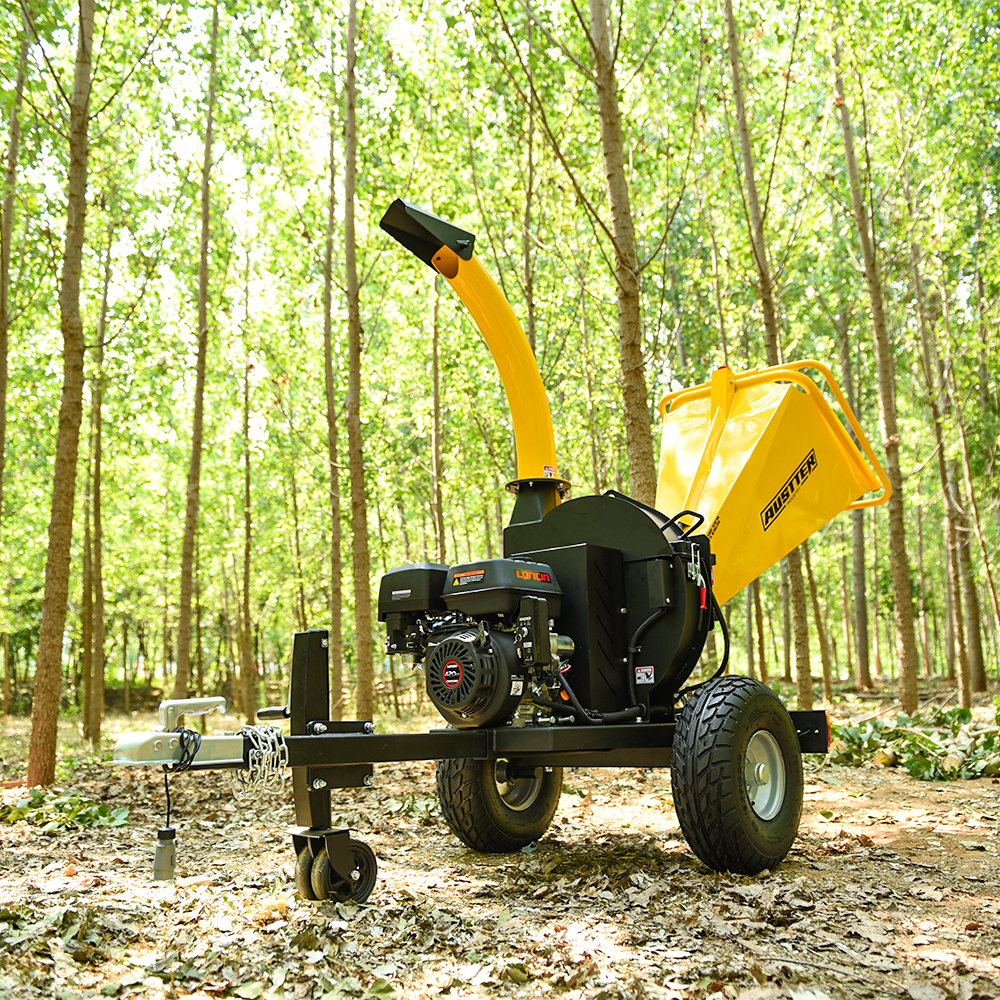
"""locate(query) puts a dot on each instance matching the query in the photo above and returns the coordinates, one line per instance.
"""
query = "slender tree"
(6, 234)
(364, 651)
(48, 670)
(333, 456)
(248, 668)
(95, 706)
(906, 644)
(772, 341)
(437, 463)
(191, 510)
(858, 576)
(638, 435)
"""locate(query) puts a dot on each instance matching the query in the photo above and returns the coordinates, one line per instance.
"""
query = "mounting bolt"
(355, 875)
(369, 780)
(158, 745)
(325, 643)
(318, 784)
(317, 727)
(624, 611)
(369, 727)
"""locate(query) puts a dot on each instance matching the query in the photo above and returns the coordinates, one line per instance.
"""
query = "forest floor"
(892, 889)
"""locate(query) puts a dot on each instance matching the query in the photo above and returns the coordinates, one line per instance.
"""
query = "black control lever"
(275, 712)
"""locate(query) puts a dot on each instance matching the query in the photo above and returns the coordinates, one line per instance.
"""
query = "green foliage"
(936, 745)
(56, 812)
(485, 115)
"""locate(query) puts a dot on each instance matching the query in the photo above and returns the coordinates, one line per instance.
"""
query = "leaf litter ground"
(892, 889)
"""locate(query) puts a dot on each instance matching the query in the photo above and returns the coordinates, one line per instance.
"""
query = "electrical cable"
(190, 741)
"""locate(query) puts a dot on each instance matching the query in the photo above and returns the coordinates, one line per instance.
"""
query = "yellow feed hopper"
(762, 456)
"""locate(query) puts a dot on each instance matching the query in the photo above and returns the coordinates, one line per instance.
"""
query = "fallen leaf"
(924, 991)
(249, 991)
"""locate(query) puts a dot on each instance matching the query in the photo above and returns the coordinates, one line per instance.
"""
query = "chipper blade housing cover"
(764, 458)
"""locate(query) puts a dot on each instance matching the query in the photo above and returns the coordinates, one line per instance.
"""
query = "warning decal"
(787, 492)
(469, 576)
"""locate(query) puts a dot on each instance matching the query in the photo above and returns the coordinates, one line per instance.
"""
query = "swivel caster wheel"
(303, 873)
(326, 884)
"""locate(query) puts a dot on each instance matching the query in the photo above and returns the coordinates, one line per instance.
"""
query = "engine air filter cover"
(413, 588)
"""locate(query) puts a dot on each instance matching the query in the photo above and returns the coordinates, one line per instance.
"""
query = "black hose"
(632, 650)
(724, 664)
(580, 711)
(554, 706)
(598, 718)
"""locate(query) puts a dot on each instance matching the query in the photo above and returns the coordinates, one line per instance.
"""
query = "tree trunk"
(527, 243)
(875, 595)
(859, 583)
(300, 592)
(199, 652)
(6, 236)
(48, 671)
(759, 615)
(635, 395)
(181, 679)
(336, 569)
(976, 520)
(772, 338)
(800, 630)
(588, 383)
(87, 604)
(955, 590)
(925, 641)
(846, 605)
(970, 598)
(786, 623)
(96, 706)
(937, 401)
(758, 243)
(748, 641)
(246, 635)
(364, 652)
(906, 646)
(437, 469)
(820, 629)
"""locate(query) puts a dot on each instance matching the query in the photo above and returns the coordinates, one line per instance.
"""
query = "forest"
(228, 403)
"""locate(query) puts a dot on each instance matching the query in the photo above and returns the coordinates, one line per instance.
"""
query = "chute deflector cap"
(423, 234)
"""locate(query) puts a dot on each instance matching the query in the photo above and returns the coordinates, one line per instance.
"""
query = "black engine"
(480, 627)
(598, 614)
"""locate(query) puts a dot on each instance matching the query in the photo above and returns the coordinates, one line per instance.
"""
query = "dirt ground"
(892, 889)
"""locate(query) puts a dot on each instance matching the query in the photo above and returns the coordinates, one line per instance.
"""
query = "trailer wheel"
(737, 776)
(327, 884)
(490, 811)
(303, 874)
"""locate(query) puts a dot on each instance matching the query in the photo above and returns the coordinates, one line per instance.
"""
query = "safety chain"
(267, 760)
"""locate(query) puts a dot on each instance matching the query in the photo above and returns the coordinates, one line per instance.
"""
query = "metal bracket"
(338, 848)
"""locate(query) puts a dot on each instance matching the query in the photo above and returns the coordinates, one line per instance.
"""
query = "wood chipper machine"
(577, 647)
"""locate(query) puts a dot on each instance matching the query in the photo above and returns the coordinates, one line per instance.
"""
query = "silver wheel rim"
(519, 794)
(765, 775)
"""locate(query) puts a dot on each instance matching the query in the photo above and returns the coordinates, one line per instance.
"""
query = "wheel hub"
(764, 772)
(516, 793)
